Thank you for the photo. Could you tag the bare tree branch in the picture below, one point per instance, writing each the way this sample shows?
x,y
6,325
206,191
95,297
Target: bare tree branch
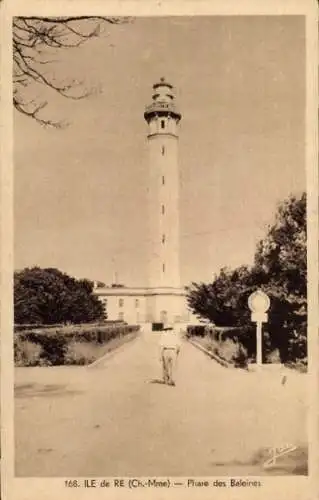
x,y
35,39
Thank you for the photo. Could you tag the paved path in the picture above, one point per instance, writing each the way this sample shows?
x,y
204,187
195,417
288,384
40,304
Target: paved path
x,y
115,419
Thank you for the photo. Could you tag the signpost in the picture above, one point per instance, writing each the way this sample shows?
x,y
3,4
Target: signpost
x,y
259,304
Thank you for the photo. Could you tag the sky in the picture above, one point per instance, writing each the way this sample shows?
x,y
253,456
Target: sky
x,y
80,192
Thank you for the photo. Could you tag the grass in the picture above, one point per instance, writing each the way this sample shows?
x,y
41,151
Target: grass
x,y
227,350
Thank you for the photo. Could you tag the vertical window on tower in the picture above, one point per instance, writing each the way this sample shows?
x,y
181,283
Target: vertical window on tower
x,y
163,209
162,123
163,150
121,302
163,238
163,180
163,268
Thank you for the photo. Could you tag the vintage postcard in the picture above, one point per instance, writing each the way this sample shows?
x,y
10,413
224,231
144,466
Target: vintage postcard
x,y
159,301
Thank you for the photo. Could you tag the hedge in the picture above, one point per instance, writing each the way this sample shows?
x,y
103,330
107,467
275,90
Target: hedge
x,y
37,326
50,345
222,333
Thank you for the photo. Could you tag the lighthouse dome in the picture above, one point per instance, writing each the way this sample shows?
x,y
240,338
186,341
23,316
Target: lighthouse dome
x,y
163,102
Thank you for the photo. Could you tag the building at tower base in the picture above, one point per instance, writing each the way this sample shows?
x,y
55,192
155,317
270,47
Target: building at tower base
x,y
155,307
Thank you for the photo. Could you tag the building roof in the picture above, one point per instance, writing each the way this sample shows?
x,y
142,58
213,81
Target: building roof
x,y
137,291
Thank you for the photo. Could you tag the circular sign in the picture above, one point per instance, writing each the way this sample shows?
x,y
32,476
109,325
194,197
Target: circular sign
x,y
258,302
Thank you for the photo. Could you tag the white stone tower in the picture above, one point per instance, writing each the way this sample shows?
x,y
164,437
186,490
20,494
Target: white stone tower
x,y
163,117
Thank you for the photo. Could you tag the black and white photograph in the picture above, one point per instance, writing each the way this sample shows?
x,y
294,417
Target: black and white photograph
x,y
160,249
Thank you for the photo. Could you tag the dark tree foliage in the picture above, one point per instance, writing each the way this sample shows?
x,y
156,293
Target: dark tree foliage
x,y
282,257
48,296
37,42
224,301
100,284
280,269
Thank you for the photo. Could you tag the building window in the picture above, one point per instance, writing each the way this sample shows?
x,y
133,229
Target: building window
x,y
137,303
163,180
121,316
163,150
163,268
163,238
162,123
121,302
163,209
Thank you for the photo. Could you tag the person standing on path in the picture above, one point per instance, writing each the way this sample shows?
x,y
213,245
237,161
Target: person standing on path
x,y
170,344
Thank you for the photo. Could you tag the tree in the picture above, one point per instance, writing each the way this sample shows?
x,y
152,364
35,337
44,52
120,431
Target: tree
x,y
217,301
282,258
35,41
282,255
224,301
48,296
280,269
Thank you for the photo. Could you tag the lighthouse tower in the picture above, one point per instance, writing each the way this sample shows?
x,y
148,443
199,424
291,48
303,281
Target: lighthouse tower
x,y
162,300
162,117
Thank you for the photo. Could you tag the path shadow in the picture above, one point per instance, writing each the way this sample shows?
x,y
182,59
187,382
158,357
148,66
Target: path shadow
x,y
156,381
45,390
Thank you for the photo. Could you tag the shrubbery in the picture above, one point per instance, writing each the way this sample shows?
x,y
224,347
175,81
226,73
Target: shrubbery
x,y
237,345
223,342
53,346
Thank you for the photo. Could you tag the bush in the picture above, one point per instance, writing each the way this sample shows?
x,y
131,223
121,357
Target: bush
x,y
53,346
195,330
